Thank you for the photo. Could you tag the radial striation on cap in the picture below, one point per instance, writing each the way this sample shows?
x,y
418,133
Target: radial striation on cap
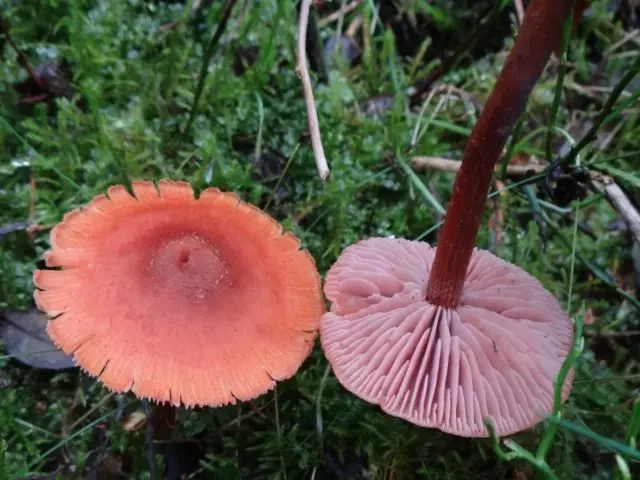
x,y
192,301
496,356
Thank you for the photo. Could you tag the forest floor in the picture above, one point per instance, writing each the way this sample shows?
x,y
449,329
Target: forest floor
x,y
115,102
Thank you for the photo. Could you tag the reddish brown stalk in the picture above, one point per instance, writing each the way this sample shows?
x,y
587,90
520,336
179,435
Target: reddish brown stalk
x,y
540,32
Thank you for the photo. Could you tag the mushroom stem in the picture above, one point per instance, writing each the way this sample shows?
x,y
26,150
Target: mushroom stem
x,y
539,34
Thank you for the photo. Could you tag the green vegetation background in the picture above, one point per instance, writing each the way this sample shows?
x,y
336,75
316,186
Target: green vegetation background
x,y
249,136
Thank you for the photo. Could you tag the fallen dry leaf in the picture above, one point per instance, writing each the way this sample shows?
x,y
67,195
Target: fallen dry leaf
x,y
25,338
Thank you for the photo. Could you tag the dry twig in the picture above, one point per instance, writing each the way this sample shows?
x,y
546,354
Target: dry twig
x,y
303,73
618,200
354,26
22,58
339,13
446,165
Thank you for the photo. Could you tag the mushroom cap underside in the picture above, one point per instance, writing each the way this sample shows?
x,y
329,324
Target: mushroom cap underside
x,y
496,356
192,301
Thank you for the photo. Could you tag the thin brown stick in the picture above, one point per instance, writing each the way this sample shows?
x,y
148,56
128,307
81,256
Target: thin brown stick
x,y
354,26
244,416
631,36
446,165
449,90
339,13
22,58
37,228
303,73
33,195
618,200
233,31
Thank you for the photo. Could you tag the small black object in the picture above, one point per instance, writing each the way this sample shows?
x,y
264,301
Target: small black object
x,y
566,183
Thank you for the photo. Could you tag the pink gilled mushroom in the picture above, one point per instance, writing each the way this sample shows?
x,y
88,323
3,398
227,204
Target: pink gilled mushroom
x,y
449,337
496,355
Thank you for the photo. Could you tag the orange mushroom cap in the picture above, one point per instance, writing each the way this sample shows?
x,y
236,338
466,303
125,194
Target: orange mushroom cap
x,y
193,301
